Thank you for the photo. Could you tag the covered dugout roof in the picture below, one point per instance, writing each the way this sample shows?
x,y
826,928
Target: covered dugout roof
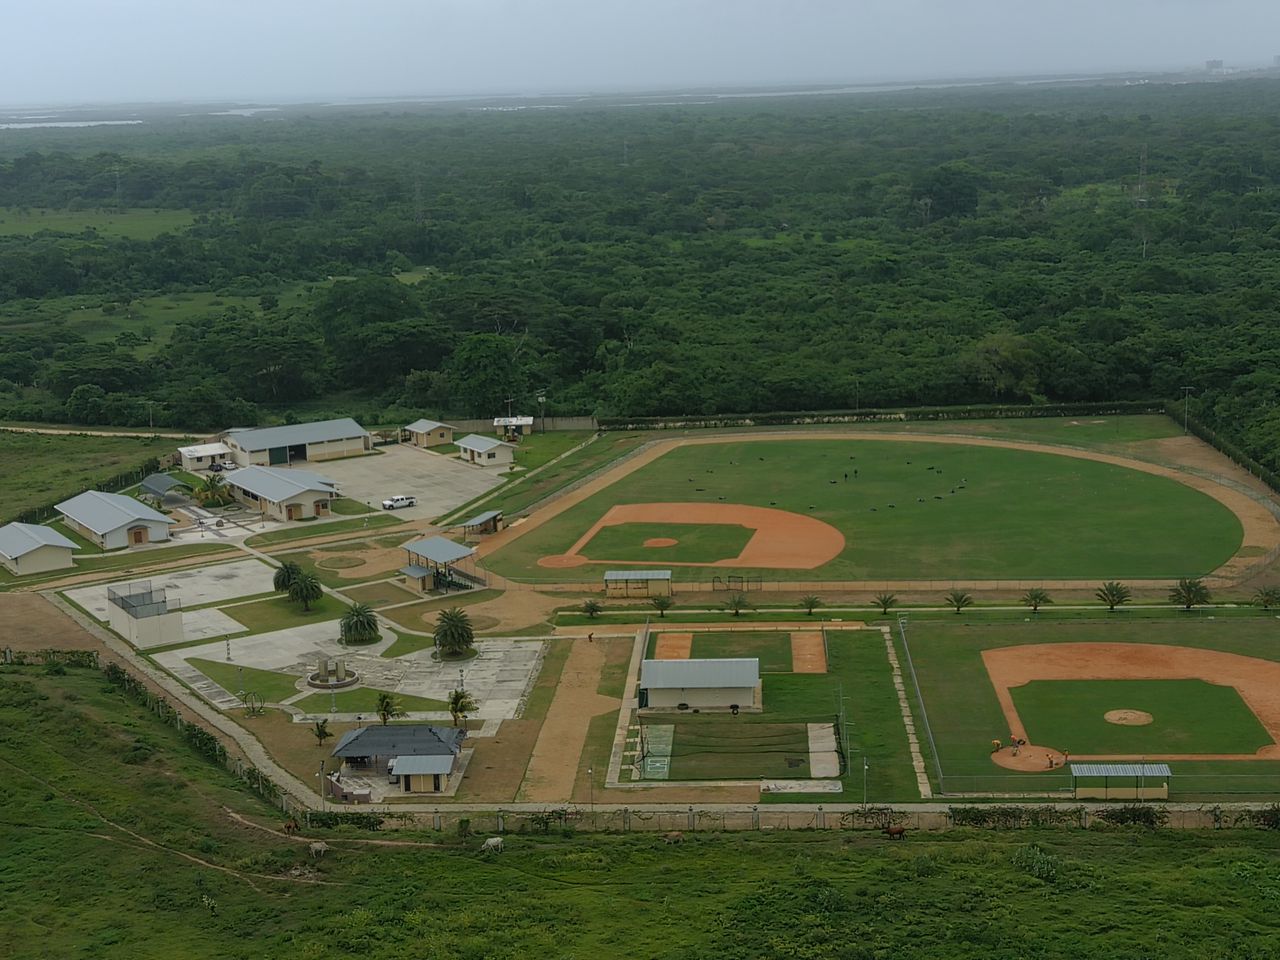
x,y
1155,770
637,575
19,539
481,518
438,550
699,674
322,431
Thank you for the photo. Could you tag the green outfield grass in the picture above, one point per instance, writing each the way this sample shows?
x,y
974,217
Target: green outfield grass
x,y
979,513
1188,716
696,543
773,649
964,715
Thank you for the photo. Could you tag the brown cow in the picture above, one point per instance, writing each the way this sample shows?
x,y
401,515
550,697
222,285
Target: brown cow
x,y
290,826
675,836
895,833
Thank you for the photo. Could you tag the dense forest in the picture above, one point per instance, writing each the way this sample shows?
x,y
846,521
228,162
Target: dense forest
x,y
828,252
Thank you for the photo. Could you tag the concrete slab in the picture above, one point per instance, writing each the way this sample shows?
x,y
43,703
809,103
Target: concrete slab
x,y
823,759
193,587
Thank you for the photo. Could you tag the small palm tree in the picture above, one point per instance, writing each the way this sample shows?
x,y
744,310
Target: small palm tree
x,y
321,732
286,573
736,604
591,608
1189,592
1267,597
461,703
884,601
1113,594
662,604
959,599
454,634
305,589
1035,599
359,625
810,604
388,708
212,491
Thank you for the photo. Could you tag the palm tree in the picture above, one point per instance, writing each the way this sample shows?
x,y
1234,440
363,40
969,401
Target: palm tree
x,y
1113,594
388,708
305,589
591,608
1189,593
1036,598
959,599
286,573
884,601
662,604
810,604
461,703
359,625
212,491
1267,597
736,604
321,732
454,634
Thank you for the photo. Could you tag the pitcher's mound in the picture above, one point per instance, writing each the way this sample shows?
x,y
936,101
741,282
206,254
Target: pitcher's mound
x,y
1030,758
661,542
1128,718
561,560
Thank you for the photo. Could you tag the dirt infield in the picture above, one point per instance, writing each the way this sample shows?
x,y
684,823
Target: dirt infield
x,y
661,542
1257,681
782,540
673,646
808,653
1128,718
1261,529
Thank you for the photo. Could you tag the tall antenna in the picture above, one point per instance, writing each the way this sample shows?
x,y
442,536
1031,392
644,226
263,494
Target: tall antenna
x,y
1141,198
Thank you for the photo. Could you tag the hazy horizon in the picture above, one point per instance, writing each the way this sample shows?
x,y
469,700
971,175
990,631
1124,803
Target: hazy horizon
x,y
146,51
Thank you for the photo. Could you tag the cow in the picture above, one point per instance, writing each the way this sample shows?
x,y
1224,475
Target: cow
x,y
895,833
492,845
675,836
290,826
318,849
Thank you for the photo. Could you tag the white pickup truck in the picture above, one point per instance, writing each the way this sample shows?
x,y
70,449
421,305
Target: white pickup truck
x,y
396,502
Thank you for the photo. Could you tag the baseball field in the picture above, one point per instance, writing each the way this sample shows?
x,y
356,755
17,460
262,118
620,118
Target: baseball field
x,y
857,507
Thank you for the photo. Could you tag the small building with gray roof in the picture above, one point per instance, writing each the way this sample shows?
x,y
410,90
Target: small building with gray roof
x,y
113,521
417,757
434,565
30,548
700,684
283,494
428,433
281,446
486,451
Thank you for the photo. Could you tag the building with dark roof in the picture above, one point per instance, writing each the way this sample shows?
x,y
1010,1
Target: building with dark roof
x,y
417,757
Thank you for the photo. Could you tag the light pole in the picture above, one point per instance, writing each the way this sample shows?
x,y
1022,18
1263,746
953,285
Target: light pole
x,y
542,412
320,777
864,782
1186,409
591,794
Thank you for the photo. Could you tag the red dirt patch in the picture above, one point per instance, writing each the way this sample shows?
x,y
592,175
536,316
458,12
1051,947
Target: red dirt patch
x,y
808,655
1257,681
1030,758
558,561
782,540
661,542
1128,718
673,646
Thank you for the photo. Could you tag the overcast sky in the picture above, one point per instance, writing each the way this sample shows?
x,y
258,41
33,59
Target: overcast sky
x,y
163,50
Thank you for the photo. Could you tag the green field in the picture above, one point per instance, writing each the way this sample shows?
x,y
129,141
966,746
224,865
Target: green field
x,y
964,715
1189,716
697,543
724,748
279,613
268,684
771,648
919,510
134,224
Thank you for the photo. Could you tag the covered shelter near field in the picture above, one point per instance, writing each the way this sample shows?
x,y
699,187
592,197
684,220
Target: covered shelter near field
x,y
32,548
113,521
434,565
700,684
428,433
512,428
413,757
283,494
482,524
1120,781
637,583
156,485
201,456
486,451
281,446
144,615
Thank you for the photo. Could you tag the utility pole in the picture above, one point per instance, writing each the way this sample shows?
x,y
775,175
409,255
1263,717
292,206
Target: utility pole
x,y
542,412
510,400
1186,410
865,765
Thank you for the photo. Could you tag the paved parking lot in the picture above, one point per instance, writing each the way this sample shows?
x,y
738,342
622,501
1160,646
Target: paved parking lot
x,y
440,483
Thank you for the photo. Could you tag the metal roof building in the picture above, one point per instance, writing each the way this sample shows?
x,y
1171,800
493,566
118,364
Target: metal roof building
x,y
400,740
158,484
31,548
691,674
439,550
277,485
113,521
295,434
1120,781
480,444
426,426
637,583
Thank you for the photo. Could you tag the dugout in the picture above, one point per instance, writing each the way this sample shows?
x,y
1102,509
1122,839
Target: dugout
x,y
1120,781
637,583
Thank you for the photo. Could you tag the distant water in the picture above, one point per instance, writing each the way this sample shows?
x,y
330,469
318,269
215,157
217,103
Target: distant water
x,y
67,123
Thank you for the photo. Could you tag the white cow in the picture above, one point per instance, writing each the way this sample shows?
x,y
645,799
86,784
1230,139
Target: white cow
x,y
318,848
492,845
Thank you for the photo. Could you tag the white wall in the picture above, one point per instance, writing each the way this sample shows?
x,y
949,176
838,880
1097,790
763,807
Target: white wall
x,y
703,697
147,631
39,560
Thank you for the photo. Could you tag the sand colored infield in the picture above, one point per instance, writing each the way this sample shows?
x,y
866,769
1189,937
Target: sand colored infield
x,y
808,654
1256,681
1128,718
661,542
782,540
1030,759
673,646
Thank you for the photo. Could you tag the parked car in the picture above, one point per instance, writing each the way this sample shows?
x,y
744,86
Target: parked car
x,y
398,501
229,466
215,467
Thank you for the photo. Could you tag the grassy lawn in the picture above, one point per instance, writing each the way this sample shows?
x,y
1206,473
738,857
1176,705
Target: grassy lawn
x,y
696,543
964,714
1189,716
278,613
721,748
271,686
83,543
346,507
407,643
134,224
772,649
323,529
411,616
365,700
921,510
539,448
45,468
379,594
78,885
